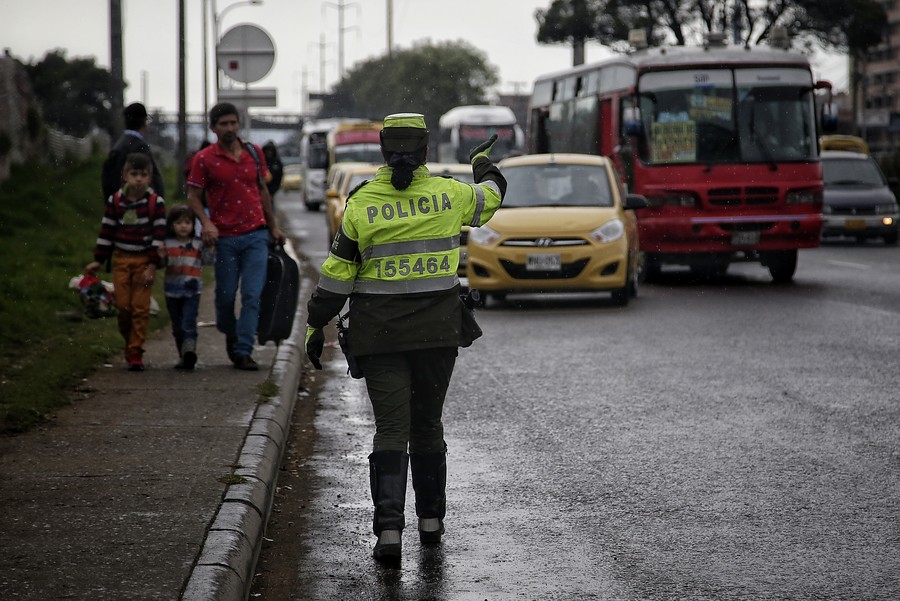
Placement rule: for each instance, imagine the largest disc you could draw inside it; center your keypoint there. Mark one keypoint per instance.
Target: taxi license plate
(856, 224)
(744, 238)
(543, 263)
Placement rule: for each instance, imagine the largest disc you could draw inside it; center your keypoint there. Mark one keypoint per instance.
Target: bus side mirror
(829, 118)
(631, 120)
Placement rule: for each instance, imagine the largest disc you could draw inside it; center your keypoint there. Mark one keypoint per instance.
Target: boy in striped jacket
(132, 234)
(183, 283)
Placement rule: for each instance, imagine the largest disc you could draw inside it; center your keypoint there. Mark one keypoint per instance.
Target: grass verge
(49, 218)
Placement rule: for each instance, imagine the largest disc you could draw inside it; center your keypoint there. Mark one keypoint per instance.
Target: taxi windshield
(556, 185)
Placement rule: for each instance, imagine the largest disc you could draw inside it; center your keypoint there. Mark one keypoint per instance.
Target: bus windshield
(741, 115)
(364, 153)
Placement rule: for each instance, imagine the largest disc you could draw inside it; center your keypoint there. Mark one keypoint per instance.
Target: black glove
(482, 149)
(315, 344)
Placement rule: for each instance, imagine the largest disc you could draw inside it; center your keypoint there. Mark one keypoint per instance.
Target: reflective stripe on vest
(405, 286)
(413, 247)
(334, 285)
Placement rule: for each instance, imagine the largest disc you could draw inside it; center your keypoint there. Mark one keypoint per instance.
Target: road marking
(849, 264)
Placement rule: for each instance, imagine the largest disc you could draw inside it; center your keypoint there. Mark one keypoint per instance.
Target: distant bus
(723, 142)
(355, 142)
(314, 160)
(464, 127)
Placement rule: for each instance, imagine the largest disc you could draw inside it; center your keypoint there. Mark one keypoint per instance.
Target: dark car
(858, 201)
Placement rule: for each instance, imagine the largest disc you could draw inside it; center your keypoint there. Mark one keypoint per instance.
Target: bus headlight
(673, 199)
(483, 235)
(609, 231)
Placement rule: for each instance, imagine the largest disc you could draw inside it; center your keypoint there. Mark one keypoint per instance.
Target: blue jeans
(183, 313)
(240, 260)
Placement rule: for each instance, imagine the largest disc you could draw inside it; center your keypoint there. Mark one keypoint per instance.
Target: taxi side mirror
(634, 201)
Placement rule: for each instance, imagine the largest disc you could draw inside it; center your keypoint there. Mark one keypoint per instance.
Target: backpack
(151, 205)
(259, 174)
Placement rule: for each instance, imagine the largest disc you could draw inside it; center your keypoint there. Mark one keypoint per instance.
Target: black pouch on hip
(469, 330)
(343, 332)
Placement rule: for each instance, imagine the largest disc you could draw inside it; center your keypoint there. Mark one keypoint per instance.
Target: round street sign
(245, 53)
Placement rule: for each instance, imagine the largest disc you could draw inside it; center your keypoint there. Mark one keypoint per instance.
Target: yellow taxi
(566, 225)
(341, 179)
(463, 173)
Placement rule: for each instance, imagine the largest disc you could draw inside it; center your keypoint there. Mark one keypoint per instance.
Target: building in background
(878, 89)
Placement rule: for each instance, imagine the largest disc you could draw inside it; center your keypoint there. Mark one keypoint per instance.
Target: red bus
(721, 140)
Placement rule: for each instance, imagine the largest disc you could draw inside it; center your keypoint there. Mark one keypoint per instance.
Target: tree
(427, 78)
(73, 94)
(853, 25)
(575, 22)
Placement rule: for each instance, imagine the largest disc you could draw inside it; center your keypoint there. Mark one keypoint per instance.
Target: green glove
(315, 343)
(482, 149)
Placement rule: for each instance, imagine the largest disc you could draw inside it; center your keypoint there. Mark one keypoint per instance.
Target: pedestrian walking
(395, 256)
(132, 234)
(276, 168)
(239, 224)
(183, 282)
(137, 124)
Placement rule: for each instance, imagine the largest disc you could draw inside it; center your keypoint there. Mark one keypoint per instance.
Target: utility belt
(469, 330)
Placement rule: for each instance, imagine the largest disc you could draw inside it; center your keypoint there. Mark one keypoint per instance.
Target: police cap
(404, 132)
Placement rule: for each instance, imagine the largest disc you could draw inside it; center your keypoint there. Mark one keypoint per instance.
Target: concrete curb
(224, 569)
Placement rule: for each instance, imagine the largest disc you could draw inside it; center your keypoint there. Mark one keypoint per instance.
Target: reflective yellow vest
(405, 241)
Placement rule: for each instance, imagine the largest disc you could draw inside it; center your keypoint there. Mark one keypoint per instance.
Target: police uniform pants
(407, 391)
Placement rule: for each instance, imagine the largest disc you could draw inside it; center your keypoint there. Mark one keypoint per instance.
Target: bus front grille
(736, 196)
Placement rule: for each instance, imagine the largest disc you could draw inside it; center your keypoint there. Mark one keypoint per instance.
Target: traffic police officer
(395, 256)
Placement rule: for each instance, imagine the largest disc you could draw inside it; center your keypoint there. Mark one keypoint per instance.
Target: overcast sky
(305, 36)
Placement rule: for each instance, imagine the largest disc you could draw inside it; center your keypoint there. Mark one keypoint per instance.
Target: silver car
(858, 201)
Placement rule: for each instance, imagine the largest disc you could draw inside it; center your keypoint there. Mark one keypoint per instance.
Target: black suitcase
(278, 303)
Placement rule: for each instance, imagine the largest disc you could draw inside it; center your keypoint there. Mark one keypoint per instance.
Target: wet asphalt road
(723, 440)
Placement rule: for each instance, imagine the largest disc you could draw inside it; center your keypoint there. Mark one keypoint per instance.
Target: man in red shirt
(232, 173)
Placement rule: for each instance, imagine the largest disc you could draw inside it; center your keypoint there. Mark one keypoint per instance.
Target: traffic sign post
(246, 54)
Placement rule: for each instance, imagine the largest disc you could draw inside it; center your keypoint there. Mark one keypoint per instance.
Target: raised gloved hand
(315, 343)
(482, 149)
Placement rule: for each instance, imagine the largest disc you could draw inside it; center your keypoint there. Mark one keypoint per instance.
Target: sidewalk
(126, 494)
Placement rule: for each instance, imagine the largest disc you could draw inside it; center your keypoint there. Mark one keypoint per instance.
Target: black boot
(429, 477)
(387, 477)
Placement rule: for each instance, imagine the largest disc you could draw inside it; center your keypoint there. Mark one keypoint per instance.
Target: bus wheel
(782, 264)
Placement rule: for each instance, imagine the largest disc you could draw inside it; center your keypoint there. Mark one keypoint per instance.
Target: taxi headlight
(483, 235)
(609, 231)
